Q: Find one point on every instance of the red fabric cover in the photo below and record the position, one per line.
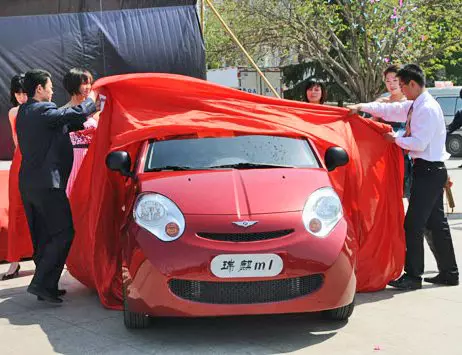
(142, 106)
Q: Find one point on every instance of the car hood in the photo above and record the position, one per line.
(236, 192)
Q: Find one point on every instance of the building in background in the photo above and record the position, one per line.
(247, 79)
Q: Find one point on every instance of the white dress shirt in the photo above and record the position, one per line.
(428, 128)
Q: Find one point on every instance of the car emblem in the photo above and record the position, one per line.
(245, 224)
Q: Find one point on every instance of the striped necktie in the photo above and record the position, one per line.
(408, 121)
(408, 125)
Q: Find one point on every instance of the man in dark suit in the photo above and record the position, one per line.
(47, 157)
(456, 122)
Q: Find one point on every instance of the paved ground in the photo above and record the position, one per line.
(387, 322)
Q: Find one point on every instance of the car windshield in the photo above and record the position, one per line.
(243, 152)
(448, 105)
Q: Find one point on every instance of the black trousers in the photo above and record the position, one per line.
(426, 212)
(50, 222)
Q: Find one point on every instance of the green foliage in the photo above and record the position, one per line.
(447, 68)
(352, 41)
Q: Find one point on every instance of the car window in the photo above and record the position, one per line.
(448, 105)
(459, 104)
(206, 153)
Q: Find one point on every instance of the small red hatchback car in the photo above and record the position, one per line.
(234, 226)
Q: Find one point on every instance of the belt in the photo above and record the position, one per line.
(426, 163)
(80, 146)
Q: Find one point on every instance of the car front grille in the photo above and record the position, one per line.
(246, 292)
(245, 237)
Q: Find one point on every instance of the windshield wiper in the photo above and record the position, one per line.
(250, 166)
(171, 167)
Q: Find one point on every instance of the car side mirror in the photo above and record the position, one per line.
(119, 161)
(335, 157)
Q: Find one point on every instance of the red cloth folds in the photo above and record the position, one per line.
(159, 106)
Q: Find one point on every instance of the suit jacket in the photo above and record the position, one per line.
(456, 123)
(43, 138)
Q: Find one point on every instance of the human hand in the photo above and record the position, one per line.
(354, 109)
(389, 137)
(90, 124)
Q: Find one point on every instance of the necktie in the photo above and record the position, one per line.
(408, 125)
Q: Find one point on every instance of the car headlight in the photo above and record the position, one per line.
(160, 216)
(322, 212)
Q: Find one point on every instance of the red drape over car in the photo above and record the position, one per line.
(161, 106)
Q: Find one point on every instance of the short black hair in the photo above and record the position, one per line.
(412, 72)
(34, 78)
(391, 69)
(16, 87)
(311, 83)
(74, 78)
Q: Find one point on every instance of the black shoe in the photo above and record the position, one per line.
(407, 282)
(13, 275)
(58, 293)
(44, 295)
(443, 279)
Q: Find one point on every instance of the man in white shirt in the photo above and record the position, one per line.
(425, 139)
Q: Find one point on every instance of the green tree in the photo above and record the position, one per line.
(352, 40)
(220, 48)
(448, 68)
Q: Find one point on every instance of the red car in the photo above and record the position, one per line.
(234, 226)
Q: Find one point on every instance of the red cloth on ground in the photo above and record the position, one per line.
(158, 106)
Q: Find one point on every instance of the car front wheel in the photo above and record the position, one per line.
(133, 320)
(454, 145)
(342, 313)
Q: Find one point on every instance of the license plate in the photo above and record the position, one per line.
(246, 265)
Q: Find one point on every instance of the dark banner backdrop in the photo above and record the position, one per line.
(108, 37)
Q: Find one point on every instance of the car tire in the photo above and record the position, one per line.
(454, 145)
(342, 313)
(133, 320)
